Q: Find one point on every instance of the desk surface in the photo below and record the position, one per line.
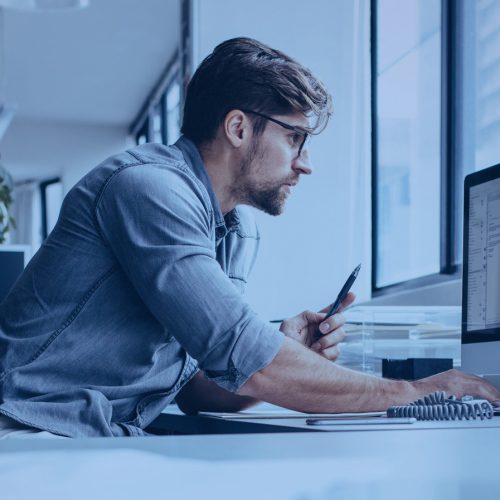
(444, 463)
(173, 421)
(430, 441)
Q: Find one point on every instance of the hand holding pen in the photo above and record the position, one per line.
(330, 333)
(304, 327)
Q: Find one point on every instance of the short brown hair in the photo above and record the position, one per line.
(243, 73)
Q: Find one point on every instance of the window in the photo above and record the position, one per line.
(435, 118)
(51, 199)
(160, 118)
(478, 88)
(408, 127)
(156, 124)
(173, 111)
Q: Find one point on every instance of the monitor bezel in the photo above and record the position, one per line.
(471, 180)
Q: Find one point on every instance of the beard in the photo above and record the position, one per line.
(269, 199)
(267, 196)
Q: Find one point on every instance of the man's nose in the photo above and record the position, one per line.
(302, 163)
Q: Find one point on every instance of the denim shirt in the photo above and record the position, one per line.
(138, 286)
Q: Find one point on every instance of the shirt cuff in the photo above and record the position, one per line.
(250, 354)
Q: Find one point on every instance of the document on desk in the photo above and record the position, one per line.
(268, 411)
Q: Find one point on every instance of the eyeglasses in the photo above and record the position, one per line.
(300, 131)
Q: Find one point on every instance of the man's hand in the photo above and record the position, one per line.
(457, 383)
(304, 326)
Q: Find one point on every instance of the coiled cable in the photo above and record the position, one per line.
(436, 406)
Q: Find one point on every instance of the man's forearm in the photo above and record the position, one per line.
(302, 380)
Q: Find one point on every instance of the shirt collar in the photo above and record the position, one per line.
(223, 224)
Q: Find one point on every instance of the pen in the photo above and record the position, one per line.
(360, 421)
(341, 296)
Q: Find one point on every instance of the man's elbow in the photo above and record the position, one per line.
(187, 407)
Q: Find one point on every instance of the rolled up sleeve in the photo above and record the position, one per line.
(158, 222)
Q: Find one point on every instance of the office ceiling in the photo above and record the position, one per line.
(94, 65)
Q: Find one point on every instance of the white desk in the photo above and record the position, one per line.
(426, 462)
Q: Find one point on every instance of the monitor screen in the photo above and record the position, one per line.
(481, 268)
(13, 258)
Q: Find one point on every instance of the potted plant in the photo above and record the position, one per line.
(6, 220)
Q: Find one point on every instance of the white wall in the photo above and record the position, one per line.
(308, 252)
(40, 150)
(34, 150)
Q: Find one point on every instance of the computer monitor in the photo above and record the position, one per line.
(481, 275)
(13, 259)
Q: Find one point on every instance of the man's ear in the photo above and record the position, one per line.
(236, 127)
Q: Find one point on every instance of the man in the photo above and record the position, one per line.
(135, 297)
